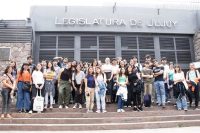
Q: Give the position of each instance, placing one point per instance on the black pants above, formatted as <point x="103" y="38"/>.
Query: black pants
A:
<point x="137" y="101"/>
<point x="130" y="95"/>
<point x="34" y="94"/>
<point x="78" y="95"/>
<point x="194" y="94"/>
<point x="56" y="91"/>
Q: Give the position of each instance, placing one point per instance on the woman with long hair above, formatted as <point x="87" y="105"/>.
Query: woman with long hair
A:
<point x="49" y="75"/>
<point x="8" y="86"/>
<point x="180" y="87"/>
<point x="13" y="64"/>
<point x="89" y="89"/>
<point x="122" y="92"/>
<point x="23" y="93"/>
<point x="100" y="90"/>
<point x="38" y="84"/>
<point x="77" y="83"/>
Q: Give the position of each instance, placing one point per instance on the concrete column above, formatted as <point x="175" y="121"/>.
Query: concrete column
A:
<point x="118" y="50"/>
<point x="77" y="45"/>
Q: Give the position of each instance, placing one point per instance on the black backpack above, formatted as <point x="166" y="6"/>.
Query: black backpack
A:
<point x="147" y="100"/>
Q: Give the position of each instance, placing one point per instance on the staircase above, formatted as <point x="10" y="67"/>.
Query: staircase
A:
<point x="78" y="120"/>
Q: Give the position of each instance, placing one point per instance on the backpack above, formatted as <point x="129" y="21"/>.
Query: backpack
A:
<point x="147" y="100"/>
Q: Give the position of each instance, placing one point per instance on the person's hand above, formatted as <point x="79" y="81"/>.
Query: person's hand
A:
<point x="37" y="86"/>
<point x="41" y="87"/>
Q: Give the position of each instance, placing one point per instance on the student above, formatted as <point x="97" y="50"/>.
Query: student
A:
<point x="147" y="75"/>
<point x="23" y="94"/>
<point x="64" y="85"/>
<point x="192" y="78"/>
<point x="49" y="75"/>
<point x="179" y="82"/>
<point x="122" y="81"/>
<point x="100" y="90"/>
<point x="158" y="72"/>
<point x="38" y="83"/>
<point x="77" y="81"/>
<point x="89" y="89"/>
<point x="7" y="90"/>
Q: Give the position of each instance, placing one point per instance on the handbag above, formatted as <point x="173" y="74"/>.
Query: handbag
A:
<point x="38" y="104"/>
<point x="26" y="86"/>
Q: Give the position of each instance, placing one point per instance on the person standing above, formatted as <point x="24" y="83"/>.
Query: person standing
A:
<point x="49" y="75"/>
<point x="7" y="90"/>
<point x="23" y="93"/>
<point x="122" y="81"/>
<point x="77" y="82"/>
<point x="38" y="84"/>
<point x="192" y="78"/>
<point x="158" y="72"/>
<point x="90" y="89"/>
<point x="147" y="75"/>
<point x="179" y="83"/>
<point x="64" y="85"/>
<point x="100" y="90"/>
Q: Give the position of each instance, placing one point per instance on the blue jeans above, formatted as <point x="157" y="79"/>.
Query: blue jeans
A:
<point x="5" y="100"/>
<point x="100" y="101"/>
<point x="120" y="103"/>
<point x="181" y="102"/>
<point x="23" y="98"/>
<point x="160" y="92"/>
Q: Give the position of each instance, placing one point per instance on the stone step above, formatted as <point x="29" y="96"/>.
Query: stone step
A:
<point x="108" y="114"/>
<point x="101" y="126"/>
<point x="99" y="120"/>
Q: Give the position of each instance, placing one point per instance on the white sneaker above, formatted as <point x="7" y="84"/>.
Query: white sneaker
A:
<point x="60" y="107"/>
<point x="80" y="106"/>
<point x="118" y="110"/>
<point x="98" y="111"/>
<point x="51" y="107"/>
<point x="45" y="107"/>
<point x="104" y="111"/>
<point x="75" y="106"/>
<point x="66" y="107"/>
<point x="30" y="112"/>
<point x="122" y="110"/>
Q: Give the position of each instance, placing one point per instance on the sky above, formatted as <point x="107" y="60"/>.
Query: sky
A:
<point x="20" y="9"/>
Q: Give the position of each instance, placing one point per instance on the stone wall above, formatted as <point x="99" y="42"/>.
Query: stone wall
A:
<point x="196" y="43"/>
<point x="19" y="53"/>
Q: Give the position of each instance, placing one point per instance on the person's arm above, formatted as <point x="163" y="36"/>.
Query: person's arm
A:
<point x="187" y="78"/>
<point x="86" y="88"/>
<point x="198" y="75"/>
<point x="73" y="83"/>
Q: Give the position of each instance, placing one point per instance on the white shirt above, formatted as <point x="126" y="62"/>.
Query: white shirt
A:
<point x="107" y="68"/>
<point x="115" y="69"/>
<point x="179" y="76"/>
<point x="38" y="77"/>
<point x="79" y="77"/>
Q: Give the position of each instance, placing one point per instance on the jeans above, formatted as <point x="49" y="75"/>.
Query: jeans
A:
<point x="181" y="102"/>
<point x="120" y="102"/>
<point x="23" y="98"/>
<point x="160" y="92"/>
<point x="78" y="94"/>
<point x="5" y="100"/>
<point x="100" y="101"/>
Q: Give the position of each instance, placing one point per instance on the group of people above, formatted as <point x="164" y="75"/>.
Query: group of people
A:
<point x="129" y="84"/>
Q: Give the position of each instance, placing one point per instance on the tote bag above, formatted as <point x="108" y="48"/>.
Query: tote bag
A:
<point x="38" y="104"/>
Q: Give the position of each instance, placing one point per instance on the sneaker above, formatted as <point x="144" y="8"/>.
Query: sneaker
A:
<point x="185" y="109"/>
<point x="60" y="107"/>
<point x="45" y="107"/>
<point x="98" y="111"/>
<point x="122" y="110"/>
<point x="9" y="116"/>
<point x="51" y="107"/>
<point x="129" y="106"/>
<point x="75" y="106"/>
<point x="196" y="108"/>
<point x="118" y="110"/>
<point x="179" y="109"/>
<point x="2" y="116"/>
<point x="39" y="112"/>
<point x="80" y="106"/>
<point x="89" y="111"/>
<point x="30" y="112"/>
<point x="104" y="111"/>
<point x="66" y="107"/>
